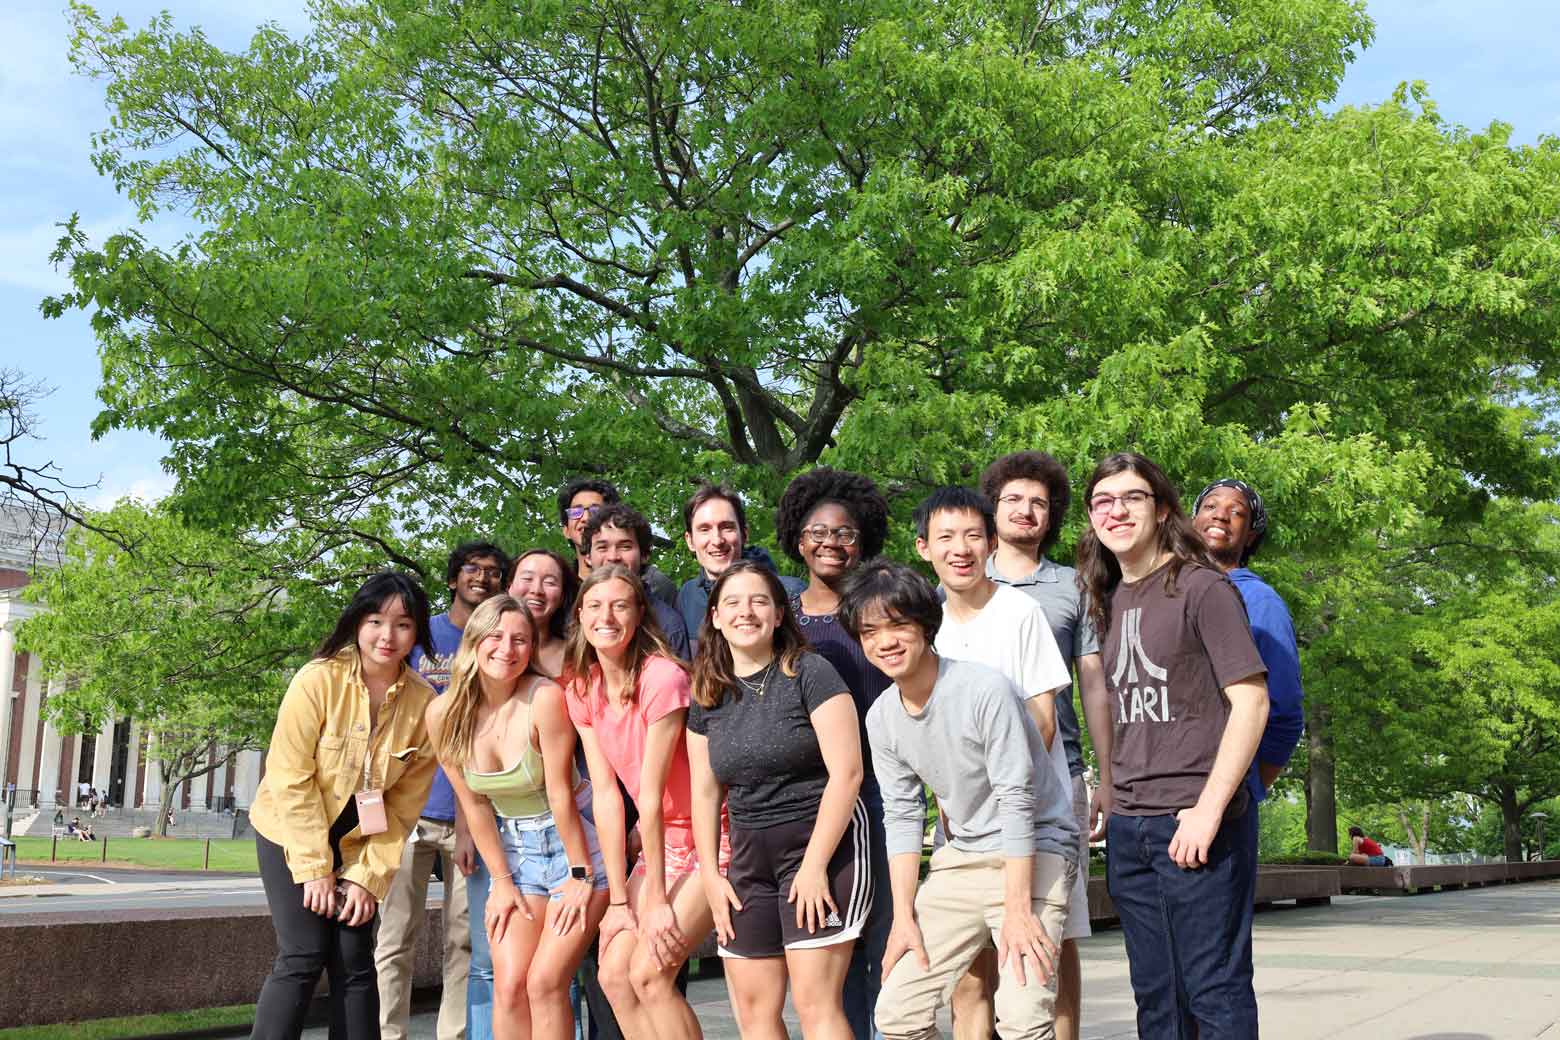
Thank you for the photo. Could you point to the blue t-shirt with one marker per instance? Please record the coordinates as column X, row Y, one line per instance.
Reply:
column 1274, row 634
column 436, row 669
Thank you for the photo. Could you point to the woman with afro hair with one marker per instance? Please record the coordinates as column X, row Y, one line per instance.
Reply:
column 830, row 521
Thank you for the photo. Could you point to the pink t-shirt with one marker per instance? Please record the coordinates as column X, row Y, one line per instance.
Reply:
column 663, row 688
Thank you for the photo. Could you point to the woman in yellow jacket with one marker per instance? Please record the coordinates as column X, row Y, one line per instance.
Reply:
column 347, row 772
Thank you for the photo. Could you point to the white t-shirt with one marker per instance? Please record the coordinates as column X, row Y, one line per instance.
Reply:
column 1012, row 635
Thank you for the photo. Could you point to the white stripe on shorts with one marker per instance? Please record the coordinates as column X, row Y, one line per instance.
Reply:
column 860, row 902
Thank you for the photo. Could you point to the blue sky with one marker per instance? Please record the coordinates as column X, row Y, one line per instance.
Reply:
column 1494, row 60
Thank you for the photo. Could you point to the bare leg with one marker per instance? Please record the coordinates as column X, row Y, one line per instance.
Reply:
column 511, row 961
column 974, row 1015
column 644, row 997
column 557, row 958
column 1069, row 992
column 757, row 989
column 817, row 986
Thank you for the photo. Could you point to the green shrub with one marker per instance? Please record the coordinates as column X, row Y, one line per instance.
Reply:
column 1307, row 859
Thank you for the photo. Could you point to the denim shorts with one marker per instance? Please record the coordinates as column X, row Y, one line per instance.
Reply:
column 537, row 857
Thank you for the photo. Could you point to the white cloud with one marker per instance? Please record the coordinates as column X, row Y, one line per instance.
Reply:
column 143, row 488
column 24, row 251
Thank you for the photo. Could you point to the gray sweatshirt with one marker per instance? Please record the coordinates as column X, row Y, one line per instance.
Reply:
column 982, row 756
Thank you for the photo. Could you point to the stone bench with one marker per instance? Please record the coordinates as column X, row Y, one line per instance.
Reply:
column 1413, row 878
column 78, row 966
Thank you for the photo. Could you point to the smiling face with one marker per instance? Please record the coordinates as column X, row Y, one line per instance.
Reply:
column 538, row 583
column 386, row 637
column 747, row 614
column 895, row 645
column 1128, row 528
column 829, row 559
column 616, row 545
column 504, row 653
column 479, row 578
column 609, row 616
column 1224, row 524
column 1023, row 509
column 956, row 545
column 715, row 537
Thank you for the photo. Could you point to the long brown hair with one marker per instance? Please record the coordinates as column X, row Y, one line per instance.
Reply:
column 713, row 672
column 1099, row 572
column 463, row 697
column 579, row 657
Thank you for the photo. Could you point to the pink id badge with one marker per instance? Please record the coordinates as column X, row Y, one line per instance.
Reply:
column 371, row 812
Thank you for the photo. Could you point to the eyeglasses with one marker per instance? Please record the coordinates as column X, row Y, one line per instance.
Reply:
column 1019, row 500
column 473, row 569
column 1101, row 505
column 818, row 534
column 575, row 512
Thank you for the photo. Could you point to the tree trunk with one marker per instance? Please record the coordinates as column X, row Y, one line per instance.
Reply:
column 1510, row 822
column 1420, row 838
column 170, row 788
column 1321, row 795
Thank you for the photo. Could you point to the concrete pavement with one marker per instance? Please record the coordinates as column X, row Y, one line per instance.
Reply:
column 1481, row 964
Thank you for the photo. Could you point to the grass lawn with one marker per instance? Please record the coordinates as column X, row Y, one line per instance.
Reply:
column 137, row 1025
column 168, row 853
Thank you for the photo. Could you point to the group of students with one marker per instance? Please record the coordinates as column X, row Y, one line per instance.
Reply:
column 615, row 767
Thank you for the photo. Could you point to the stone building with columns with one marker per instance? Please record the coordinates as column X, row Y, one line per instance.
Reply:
column 46, row 766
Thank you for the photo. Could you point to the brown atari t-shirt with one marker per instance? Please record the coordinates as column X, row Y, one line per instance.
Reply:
column 1167, row 660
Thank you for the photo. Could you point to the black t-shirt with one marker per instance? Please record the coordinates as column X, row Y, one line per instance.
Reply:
column 763, row 747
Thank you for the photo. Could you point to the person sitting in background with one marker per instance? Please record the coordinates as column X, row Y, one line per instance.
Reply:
column 1366, row 852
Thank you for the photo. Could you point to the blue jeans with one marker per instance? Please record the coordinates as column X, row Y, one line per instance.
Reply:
column 479, row 976
column 864, row 977
column 1187, row 932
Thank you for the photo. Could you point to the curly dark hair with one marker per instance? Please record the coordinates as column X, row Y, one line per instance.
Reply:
column 609, row 495
column 852, row 492
column 1041, row 468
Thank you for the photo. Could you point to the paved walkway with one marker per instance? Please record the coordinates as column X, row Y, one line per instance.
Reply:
column 1477, row 965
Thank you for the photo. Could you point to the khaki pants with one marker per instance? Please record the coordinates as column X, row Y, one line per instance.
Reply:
column 401, row 916
column 960, row 908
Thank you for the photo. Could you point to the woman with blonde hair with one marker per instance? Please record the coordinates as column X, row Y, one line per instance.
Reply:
column 774, row 728
column 628, row 695
column 503, row 735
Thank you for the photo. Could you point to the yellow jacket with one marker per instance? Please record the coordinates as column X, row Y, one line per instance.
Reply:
column 315, row 765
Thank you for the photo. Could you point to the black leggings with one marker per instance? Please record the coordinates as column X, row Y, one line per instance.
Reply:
column 308, row 944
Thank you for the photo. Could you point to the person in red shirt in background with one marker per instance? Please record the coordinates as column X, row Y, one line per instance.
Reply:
column 1367, row 852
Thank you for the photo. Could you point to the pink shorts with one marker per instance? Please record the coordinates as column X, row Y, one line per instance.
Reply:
column 683, row 859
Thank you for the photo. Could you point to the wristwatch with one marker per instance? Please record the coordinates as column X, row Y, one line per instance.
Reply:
column 581, row 873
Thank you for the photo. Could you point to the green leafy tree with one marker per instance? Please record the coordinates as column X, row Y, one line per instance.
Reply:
column 191, row 633
column 449, row 254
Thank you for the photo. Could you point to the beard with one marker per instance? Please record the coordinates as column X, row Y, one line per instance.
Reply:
column 1226, row 558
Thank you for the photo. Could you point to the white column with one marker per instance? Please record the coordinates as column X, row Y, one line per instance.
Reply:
column 151, row 791
column 7, row 677
column 49, row 768
column 103, row 761
column 30, row 724
column 246, row 783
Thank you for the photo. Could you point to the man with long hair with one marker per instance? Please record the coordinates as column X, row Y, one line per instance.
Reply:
column 1189, row 697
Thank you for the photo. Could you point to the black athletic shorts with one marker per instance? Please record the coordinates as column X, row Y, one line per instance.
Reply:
column 764, row 862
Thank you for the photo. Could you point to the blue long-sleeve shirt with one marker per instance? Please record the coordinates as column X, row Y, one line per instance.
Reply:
column 1274, row 633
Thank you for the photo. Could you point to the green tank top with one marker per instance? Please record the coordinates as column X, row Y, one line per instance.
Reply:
column 520, row 790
